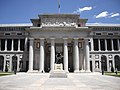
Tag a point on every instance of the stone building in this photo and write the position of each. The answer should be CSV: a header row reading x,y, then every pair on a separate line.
x,y
84,47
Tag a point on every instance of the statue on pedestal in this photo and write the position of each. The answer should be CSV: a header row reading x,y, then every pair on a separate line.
x,y
58,58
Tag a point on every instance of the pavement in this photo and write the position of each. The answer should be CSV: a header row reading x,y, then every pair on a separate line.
x,y
78,81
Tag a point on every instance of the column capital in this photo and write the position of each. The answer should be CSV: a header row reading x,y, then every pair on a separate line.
x,y
31,38
42,38
76,38
65,38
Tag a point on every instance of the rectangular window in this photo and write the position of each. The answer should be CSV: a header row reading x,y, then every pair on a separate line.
x,y
9,44
7,33
98,33
15,45
109,46
96,45
22,44
19,33
102,44
110,33
2,44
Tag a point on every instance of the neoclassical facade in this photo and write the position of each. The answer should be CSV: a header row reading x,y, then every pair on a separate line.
x,y
84,47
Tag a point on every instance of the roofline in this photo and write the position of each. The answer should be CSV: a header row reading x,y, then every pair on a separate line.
x,y
102,25
16,25
87,24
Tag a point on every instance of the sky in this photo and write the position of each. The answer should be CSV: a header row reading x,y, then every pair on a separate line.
x,y
96,11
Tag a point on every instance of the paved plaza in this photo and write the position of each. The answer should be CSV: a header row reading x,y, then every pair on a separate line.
x,y
81,81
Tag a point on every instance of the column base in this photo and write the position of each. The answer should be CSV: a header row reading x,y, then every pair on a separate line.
x,y
76,71
66,71
87,71
29,71
82,70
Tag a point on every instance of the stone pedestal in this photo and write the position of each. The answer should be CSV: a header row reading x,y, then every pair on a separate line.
x,y
58,72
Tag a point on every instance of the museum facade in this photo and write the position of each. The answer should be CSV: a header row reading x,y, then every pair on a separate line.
x,y
83,47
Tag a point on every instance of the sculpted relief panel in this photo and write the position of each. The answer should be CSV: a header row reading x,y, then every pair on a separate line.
x,y
59,22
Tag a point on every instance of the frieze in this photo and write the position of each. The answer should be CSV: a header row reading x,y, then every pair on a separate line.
x,y
59,22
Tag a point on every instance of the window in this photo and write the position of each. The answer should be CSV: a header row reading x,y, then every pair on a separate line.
x,y
79,25
98,33
2,44
9,44
110,33
7,33
102,44
96,45
109,46
19,33
15,44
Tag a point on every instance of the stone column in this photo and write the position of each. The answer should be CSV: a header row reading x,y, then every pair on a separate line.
x,y
41,68
0,44
87,55
65,55
18,44
31,55
12,45
25,46
76,55
5,44
118,44
105,45
92,45
99,44
52,54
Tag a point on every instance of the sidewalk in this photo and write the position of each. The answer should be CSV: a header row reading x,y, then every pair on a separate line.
x,y
38,81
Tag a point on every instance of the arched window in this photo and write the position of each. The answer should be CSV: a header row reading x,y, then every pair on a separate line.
x,y
1,63
104,62
117,62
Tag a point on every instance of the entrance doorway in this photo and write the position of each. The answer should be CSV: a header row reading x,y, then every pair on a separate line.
x,y
104,62
117,62
1,63
14,63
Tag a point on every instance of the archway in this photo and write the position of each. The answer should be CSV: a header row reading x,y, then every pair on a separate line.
x,y
117,62
1,63
104,62
14,63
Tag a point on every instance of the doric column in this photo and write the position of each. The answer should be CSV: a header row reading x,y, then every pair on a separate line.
x,y
87,55
112,44
18,44
65,55
105,45
92,45
0,44
99,44
31,55
41,68
118,44
5,44
76,55
12,45
52,54
25,45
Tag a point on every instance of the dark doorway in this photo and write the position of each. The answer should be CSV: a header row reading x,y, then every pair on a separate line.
x,y
104,62
117,62
14,63
1,63
91,66
27,65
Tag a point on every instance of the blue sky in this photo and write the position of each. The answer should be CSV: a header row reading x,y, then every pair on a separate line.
x,y
96,11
